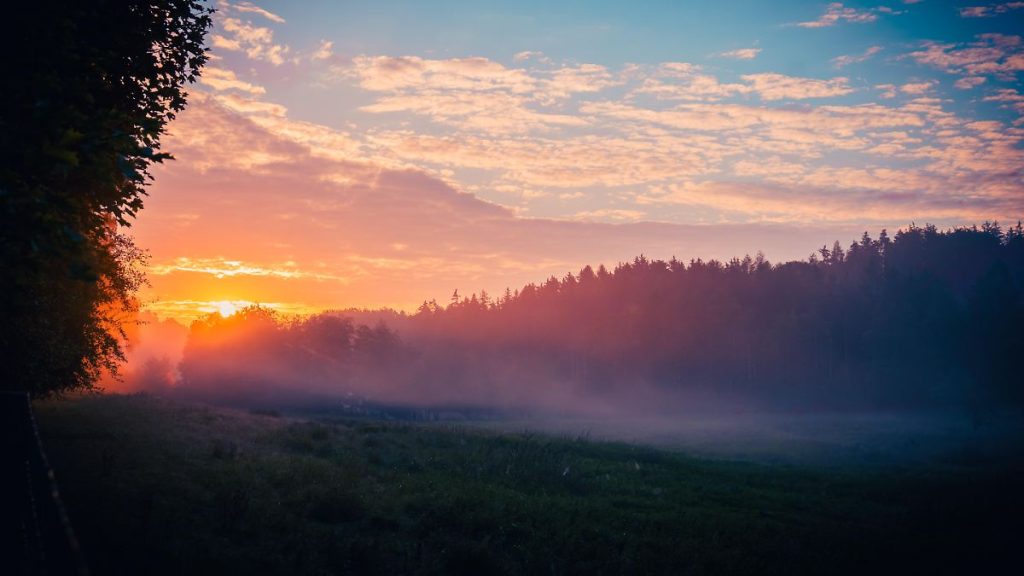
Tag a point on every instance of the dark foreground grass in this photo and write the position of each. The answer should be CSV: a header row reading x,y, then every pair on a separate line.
x,y
158,487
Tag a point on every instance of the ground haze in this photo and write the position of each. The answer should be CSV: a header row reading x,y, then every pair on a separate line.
x,y
164,487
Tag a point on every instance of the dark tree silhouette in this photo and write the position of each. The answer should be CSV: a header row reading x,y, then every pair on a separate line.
x,y
89,88
927,319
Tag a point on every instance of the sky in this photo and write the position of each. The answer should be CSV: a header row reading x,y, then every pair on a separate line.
x,y
379,154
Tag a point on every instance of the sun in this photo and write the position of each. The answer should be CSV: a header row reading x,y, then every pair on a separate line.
x,y
223,308
226,307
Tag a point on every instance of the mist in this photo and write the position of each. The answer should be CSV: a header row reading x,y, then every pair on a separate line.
x,y
905,343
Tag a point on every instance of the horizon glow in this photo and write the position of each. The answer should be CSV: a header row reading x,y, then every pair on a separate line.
x,y
378,155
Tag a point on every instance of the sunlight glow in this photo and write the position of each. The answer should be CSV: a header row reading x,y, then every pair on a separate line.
x,y
490,166
186,311
225,307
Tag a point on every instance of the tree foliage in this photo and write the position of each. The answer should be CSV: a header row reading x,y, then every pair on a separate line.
x,y
926,319
90,89
255,356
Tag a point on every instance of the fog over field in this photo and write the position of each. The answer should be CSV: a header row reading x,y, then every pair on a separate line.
x,y
893,349
830,439
513,287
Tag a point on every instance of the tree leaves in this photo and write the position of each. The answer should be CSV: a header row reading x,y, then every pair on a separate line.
x,y
91,88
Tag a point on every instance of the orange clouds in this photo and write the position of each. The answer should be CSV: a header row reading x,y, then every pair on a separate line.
x,y
475,93
989,11
688,83
220,79
387,73
990,55
256,41
278,231
846,60
836,13
782,87
741,53
523,137
249,7
221,268
413,176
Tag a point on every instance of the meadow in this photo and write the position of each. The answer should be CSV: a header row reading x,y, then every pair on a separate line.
x,y
157,486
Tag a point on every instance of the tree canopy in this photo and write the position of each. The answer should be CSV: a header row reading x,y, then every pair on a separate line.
x,y
90,89
924,319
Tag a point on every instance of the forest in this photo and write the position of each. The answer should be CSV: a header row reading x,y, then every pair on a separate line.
x,y
858,411
925,319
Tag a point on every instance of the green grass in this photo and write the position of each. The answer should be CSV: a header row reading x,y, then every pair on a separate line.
x,y
158,487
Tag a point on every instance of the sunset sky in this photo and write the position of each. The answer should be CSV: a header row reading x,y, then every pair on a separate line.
x,y
344,154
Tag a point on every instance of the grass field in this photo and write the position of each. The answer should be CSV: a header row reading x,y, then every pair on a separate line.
x,y
160,487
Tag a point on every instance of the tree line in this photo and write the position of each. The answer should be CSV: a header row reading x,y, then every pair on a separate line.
x,y
91,88
925,318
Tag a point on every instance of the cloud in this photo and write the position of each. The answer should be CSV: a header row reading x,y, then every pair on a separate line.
x,y
836,13
990,10
531,55
917,88
221,79
610,146
248,105
253,9
575,163
1005,95
1011,99
262,207
870,193
222,268
846,60
323,51
968,82
610,214
887,90
214,139
741,53
186,311
475,93
395,73
682,81
219,41
257,42
569,80
828,125
384,237
781,87
996,55
470,77
635,145
496,113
